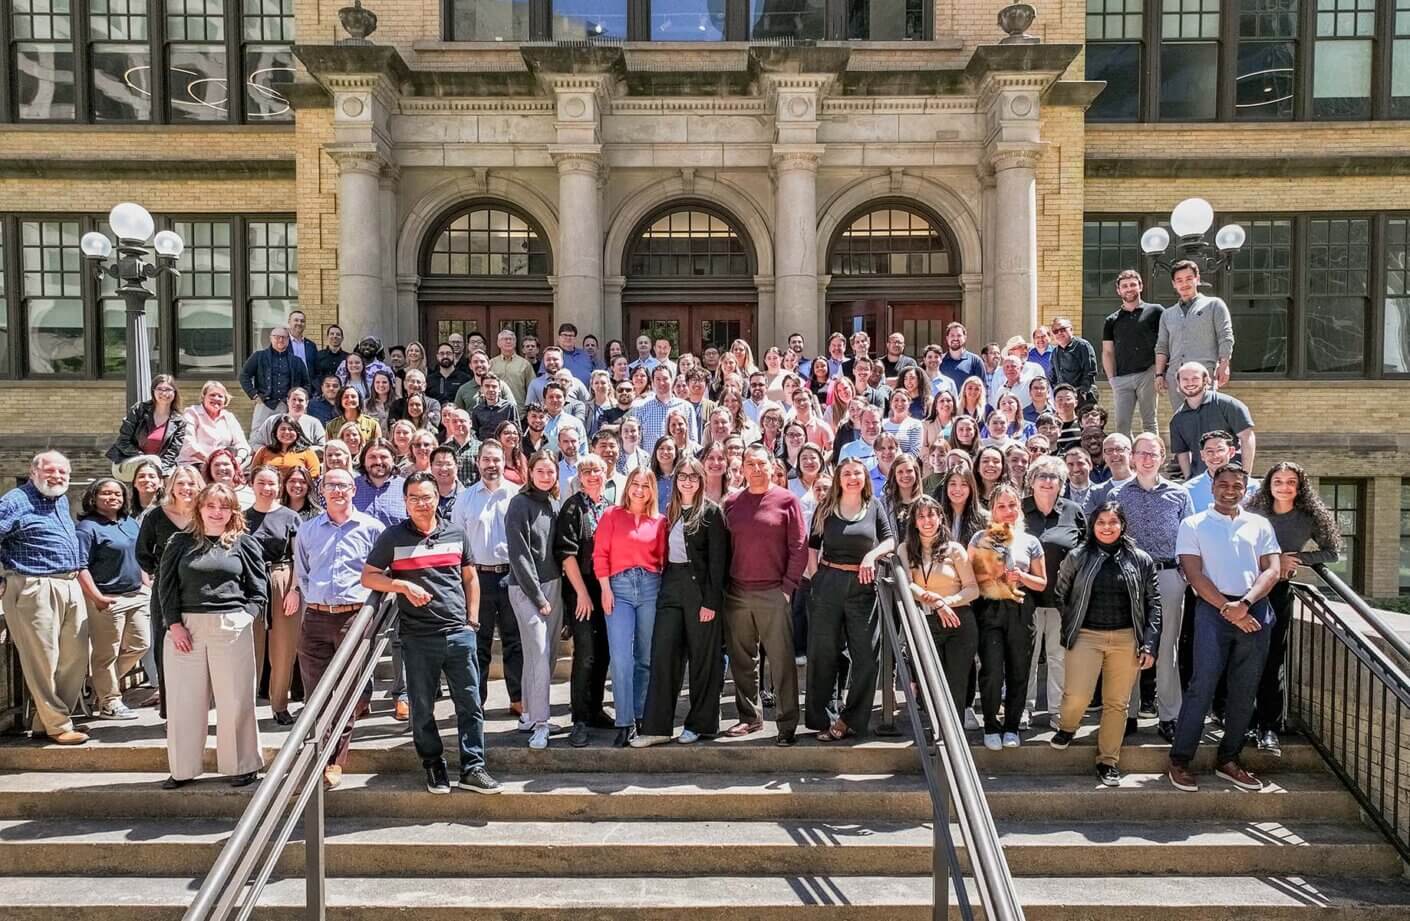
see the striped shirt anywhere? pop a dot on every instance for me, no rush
(434, 562)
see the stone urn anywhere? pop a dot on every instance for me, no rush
(358, 22)
(1015, 19)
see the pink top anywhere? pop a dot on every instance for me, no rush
(623, 541)
(207, 434)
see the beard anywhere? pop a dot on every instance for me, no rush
(50, 492)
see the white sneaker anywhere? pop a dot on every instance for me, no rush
(993, 741)
(800, 660)
(688, 737)
(1025, 721)
(539, 740)
(526, 724)
(971, 722)
(641, 741)
(1011, 740)
(117, 710)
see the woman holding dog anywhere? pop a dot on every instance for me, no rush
(1008, 564)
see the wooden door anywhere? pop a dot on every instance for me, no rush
(690, 328)
(848, 317)
(922, 323)
(438, 321)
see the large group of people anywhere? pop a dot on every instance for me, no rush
(676, 516)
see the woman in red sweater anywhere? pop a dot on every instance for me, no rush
(628, 555)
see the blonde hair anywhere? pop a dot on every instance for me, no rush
(652, 503)
(234, 526)
(182, 472)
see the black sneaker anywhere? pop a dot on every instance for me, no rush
(1268, 742)
(1109, 775)
(477, 780)
(767, 699)
(244, 780)
(578, 738)
(786, 739)
(1147, 709)
(1060, 740)
(437, 780)
(1166, 728)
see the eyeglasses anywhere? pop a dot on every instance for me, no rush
(1047, 476)
(421, 500)
(338, 487)
(1145, 454)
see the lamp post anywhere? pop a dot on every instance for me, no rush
(133, 226)
(1191, 220)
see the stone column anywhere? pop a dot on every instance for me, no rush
(1015, 240)
(795, 239)
(612, 286)
(360, 310)
(578, 297)
(400, 326)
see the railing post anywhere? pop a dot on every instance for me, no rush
(887, 725)
(315, 884)
(939, 853)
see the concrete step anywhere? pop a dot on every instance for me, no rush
(391, 847)
(730, 898)
(721, 797)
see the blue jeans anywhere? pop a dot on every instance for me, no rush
(427, 658)
(629, 626)
(1222, 650)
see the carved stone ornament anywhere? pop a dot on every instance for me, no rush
(358, 22)
(1015, 20)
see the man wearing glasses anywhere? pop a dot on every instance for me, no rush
(1074, 362)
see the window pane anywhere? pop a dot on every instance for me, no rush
(1188, 80)
(490, 21)
(44, 85)
(687, 20)
(1336, 335)
(1396, 328)
(1400, 78)
(1114, 19)
(885, 20)
(1405, 537)
(197, 83)
(688, 243)
(1260, 336)
(511, 248)
(1341, 79)
(50, 260)
(1120, 66)
(583, 19)
(269, 72)
(55, 335)
(122, 82)
(114, 344)
(268, 20)
(205, 342)
(1343, 498)
(4, 311)
(890, 242)
(205, 263)
(1265, 83)
(788, 19)
(1268, 18)
(265, 314)
(195, 20)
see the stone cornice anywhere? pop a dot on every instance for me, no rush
(358, 158)
(787, 157)
(1156, 167)
(585, 159)
(347, 63)
(1015, 156)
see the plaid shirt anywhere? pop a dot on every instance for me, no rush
(467, 457)
(37, 536)
(651, 413)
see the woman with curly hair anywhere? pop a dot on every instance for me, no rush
(911, 381)
(1299, 517)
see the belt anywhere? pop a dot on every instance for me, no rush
(845, 567)
(35, 575)
(670, 566)
(334, 608)
(497, 568)
(274, 567)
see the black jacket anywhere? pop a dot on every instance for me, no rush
(708, 550)
(1074, 588)
(257, 377)
(1075, 365)
(135, 426)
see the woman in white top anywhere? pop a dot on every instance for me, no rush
(909, 432)
(213, 427)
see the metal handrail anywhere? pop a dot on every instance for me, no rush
(948, 763)
(293, 785)
(1351, 700)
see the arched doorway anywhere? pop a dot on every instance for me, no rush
(895, 267)
(485, 267)
(690, 279)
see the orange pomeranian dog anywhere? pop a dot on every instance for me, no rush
(991, 558)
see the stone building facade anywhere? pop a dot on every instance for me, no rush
(792, 175)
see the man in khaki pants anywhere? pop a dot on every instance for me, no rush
(44, 609)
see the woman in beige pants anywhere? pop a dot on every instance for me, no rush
(212, 586)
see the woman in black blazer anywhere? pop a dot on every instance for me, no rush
(688, 622)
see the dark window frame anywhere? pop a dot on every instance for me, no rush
(526, 289)
(158, 49)
(639, 21)
(1357, 543)
(1382, 65)
(163, 300)
(1298, 338)
(1403, 580)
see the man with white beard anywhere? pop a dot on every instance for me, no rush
(44, 607)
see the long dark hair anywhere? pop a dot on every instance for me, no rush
(301, 442)
(1325, 531)
(1110, 505)
(88, 505)
(973, 517)
(133, 505)
(914, 551)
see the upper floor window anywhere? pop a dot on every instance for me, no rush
(686, 20)
(1268, 60)
(488, 241)
(108, 61)
(891, 241)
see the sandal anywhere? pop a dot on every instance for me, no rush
(836, 732)
(740, 729)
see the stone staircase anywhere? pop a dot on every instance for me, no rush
(735, 829)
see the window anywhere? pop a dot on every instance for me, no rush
(489, 241)
(885, 20)
(587, 19)
(94, 61)
(1260, 296)
(1303, 290)
(890, 241)
(688, 243)
(1341, 66)
(1114, 54)
(1189, 59)
(1400, 61)
(239, 278)
(1405, 537)
(803, 19)
(687, 21)
(1343, 497)
(490, 21)
(1265, 81)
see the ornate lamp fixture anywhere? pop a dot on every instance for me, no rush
(1191, 220)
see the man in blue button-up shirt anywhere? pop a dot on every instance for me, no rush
(44, 609)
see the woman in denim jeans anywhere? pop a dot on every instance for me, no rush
(629, 552)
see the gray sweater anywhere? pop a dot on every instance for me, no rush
(1201, 330)
(528, 530)
(1295, 529)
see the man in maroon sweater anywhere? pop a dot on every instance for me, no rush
(768, 558)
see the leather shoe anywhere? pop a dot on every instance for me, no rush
(578, 738)
(244, 780)
(786, 739)
(402, 713)
(1166, 728)
(68, 737)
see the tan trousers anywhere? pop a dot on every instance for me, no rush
(120, 636)
(221, 663)
(1110, 654)
(283, 639)
(49, 622)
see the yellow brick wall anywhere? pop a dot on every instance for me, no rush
(317, 207)
(1060, 196)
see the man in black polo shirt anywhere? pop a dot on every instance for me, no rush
(1128, 353)
(428, 564)
(1204, 409)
